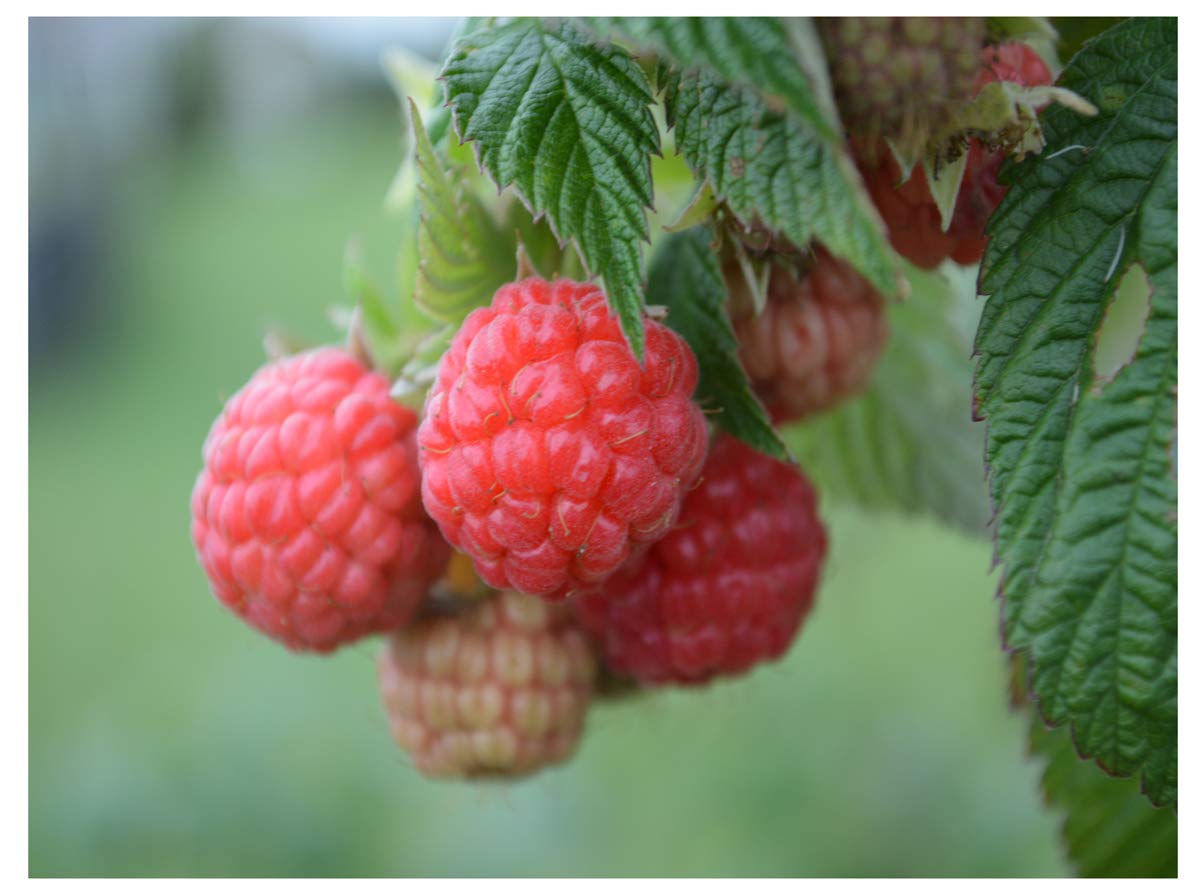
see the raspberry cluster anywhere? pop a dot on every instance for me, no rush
(908, 208)
(560, 466)
(728, 588)
(817, 340)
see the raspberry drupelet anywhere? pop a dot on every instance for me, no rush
(548, 454)
(307, 516)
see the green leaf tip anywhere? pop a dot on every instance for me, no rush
(567, 124)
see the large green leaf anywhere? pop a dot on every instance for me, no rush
(567, 123)
(685, 277)
(1081, 468)
(1109, 830)
(754, 52)
(465, 258)
(771, 168)
(909, 443)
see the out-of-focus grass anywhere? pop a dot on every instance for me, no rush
(165, 738)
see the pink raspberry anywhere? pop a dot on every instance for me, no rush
(817, 340)
(547, 453)
(730, 585)
(306, 515)
(912, 217)
(500, 690)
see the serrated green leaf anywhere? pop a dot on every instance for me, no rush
(567, 124)
(770, 168)
(465, 258)
(685, 277)
(909, 442)
(1109, 830)
(1081, 469)
(752, 52)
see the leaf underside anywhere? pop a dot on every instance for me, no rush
(1081, 469)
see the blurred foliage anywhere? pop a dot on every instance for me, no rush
(1074, 31)
(168, 739)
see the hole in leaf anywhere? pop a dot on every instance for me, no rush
(1123, 324)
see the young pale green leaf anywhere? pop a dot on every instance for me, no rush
(771, 168)
(1109, 829)
(567, 124)
(685, 277)
(909, 442)
(752, 52)
(465, 258)
(1081, 468)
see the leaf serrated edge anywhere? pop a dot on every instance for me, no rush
(631, 323)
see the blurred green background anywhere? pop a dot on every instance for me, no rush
(193, 184)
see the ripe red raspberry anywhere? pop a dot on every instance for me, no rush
(912, 217)
(548, 454)
(816, 341)
(306, 516)
(729, 586)
(499, 690)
